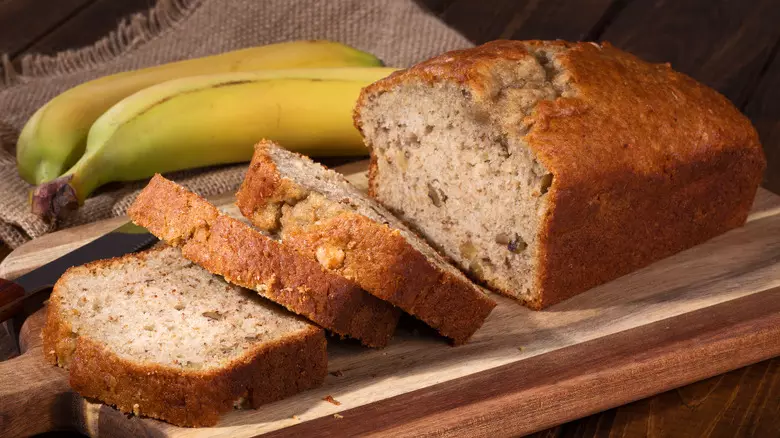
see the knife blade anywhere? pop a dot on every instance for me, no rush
(26, 294)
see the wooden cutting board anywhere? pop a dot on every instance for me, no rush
(708, 310)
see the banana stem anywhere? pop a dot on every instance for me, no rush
(54, 199)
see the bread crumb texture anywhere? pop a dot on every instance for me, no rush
(154, 334)
(167, 310)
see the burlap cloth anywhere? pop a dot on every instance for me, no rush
(398, 31)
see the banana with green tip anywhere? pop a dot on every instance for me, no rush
(55, 136)
(208, 120)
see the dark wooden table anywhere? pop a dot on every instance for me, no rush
(730, 45)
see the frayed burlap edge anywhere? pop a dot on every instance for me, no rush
(129, 34)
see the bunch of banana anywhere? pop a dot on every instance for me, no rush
(55, 137)
(215, 119)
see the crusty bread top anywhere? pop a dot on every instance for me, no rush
(615, 114)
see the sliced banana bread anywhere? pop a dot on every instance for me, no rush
(319, 213)
(155, 335)
(245, 257)
(547, 168)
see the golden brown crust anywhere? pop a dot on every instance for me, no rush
(228, 247)
(646, 161)
(373, 255)
(471, 68)
(265, 193)
(194, 398)
(684, 169)
(58, 344)
(372, 170)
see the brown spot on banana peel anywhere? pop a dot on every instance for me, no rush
(54, 199)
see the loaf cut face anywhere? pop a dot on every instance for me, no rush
(546, 168)
(319, 213)
(246, 257)
(154, 334)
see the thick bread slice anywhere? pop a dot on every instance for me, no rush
(547, 168)
(244, 256)
(319, 213)
(155, 335)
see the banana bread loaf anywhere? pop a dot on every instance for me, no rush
(155, 335)
(547, 168)
(319, 213)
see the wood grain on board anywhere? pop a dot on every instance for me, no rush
(529, 395)
(36, 396)
(744, 403)
(701, 312)
(523, 396)
(739, 404)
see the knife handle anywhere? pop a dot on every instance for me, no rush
(9, 292)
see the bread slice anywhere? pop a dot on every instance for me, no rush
(320, 214)
(547, 168)
(155, 335)
(245, 257)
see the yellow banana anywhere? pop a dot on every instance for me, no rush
(208, 120)
(54, 137)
